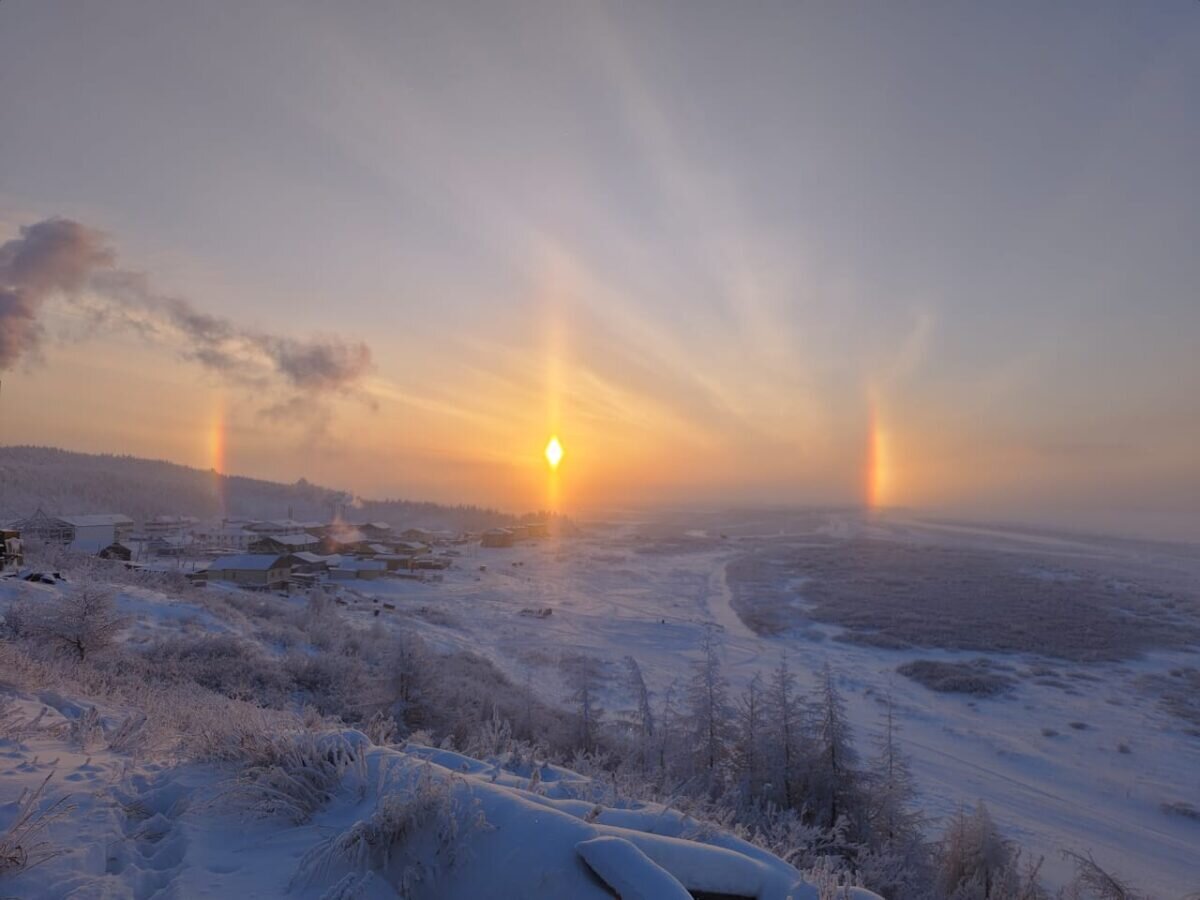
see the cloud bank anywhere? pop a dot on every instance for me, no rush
(62, 257)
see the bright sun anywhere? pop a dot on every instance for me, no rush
(554, 452)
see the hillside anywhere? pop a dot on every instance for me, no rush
(61, 481)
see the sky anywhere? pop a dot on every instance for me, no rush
(940, 256)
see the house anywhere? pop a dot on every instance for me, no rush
(364, 569)
(431, 562)
(497, 537)
(311, 563)
(224, 536)
(284, 543)
(169, 544)
(344, 540)
(538, 529)
(417, 534)
(277, 526)
(409, 548)
(88, 533)
(256, 571)
(394, 561)
(169, 526)
(376, 531)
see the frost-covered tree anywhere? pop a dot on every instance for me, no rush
(834, 761)
(897, 862)
(750, 750)
(668, 741)
(1092, 882)
(708, 715)
(893, 818)
(406, 669)
(977, 863)
(785, 743)
(643, 714)
(582, 675)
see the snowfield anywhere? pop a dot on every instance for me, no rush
(239, 780)
(1076, 755)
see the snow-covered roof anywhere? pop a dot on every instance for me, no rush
(95, 520)
(292, 540)
(170, 540)
(252, 562)
(362, 565)
(306, 556)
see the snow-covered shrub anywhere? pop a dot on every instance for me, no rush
(222, 663)
(414, 833)
(16, 726)
(82, 621)
(832, 879)
(292, 776)
(22, 843)
(86, 731)
(135, 733)
(382, 729)
(334, 684)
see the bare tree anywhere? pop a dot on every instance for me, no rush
(643, 715)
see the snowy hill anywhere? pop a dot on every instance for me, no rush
(61, 481)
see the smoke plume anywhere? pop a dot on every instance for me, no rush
(61, 257)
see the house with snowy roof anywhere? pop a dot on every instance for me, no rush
(80, 532)
(255, 571)
(284, 543)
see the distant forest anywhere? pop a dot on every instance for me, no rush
(63, 482)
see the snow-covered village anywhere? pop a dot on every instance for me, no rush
(537, 450)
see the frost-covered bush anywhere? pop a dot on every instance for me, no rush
(222, 663)
(80, 622)
(415, 832)
(334, 684)
(23, 844)
(292, 776)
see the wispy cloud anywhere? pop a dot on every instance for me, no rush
(62, 257)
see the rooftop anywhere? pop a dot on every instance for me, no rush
(255, 562)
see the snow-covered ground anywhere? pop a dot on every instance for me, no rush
(1075, 755)
(465, 828)
(630, 589)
